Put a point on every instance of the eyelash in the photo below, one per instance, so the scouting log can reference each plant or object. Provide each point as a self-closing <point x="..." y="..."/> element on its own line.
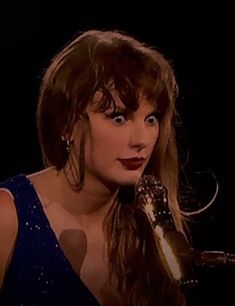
<point x="115" y="115"/>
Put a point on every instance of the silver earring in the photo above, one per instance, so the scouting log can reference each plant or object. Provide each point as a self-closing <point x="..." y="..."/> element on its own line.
<point x="67" y="147"/>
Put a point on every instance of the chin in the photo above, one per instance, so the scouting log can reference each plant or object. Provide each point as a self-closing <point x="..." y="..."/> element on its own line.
<point x="130" y="178"/>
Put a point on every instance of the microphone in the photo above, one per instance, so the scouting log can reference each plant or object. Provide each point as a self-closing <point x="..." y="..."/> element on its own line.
<point x="174" y="249"/>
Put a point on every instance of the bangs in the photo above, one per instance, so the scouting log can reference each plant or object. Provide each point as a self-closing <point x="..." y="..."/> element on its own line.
<point x="131" y="82"/>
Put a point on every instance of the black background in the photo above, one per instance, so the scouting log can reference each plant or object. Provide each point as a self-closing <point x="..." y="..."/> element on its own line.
<point x="196" y="36"/>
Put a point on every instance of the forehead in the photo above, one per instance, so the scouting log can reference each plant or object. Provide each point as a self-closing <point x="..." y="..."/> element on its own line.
<point x="143" y="101"/>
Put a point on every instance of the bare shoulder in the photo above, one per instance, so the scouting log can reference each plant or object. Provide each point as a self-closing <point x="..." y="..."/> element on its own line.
<point x="8" y="229"/>
<point x="8" y="216"/>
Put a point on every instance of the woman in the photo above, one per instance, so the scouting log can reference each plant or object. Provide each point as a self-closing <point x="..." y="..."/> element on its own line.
<point x="72" y="233"/>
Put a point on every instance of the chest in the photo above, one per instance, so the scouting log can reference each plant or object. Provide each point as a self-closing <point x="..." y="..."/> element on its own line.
<point x="87" y="253"/>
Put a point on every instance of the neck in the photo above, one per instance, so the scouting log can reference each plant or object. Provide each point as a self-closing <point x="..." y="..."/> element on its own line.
<point x="93" y="201"/>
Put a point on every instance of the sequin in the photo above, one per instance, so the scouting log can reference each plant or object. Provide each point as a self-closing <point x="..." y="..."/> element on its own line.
<point x="39" y="274"/>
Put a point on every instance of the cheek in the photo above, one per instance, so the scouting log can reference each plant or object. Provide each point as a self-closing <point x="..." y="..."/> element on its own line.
<point x="103" y="145"/>
<point x="153" y="141"/>
<point x="154" y="137"/>
<point x="107" y="138"/>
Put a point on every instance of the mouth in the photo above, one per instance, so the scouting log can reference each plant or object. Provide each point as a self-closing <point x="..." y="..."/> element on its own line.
<point x="132" y="163"/>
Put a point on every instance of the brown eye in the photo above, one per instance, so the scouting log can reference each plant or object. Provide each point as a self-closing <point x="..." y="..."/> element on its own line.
<point x="117" y="118"/>
<point x="152" y="119"/>
<point x="120" y="119"/>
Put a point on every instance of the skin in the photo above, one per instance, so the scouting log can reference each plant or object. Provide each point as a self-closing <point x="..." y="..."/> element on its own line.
<point x="79" y="228"/>
<point x="118" y="136"/>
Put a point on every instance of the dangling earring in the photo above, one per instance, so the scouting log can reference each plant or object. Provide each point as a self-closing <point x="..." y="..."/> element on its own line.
<point x="74" y="172"/>
<point x="67" y="147"/>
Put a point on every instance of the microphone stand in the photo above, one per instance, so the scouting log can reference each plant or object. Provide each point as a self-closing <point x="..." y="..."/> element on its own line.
<point x="213" y="258"/>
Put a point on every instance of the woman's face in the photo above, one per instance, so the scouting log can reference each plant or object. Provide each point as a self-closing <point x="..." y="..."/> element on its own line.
<point x="119" y="144"/>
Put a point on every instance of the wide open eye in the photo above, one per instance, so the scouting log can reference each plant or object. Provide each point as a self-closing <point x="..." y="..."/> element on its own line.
<point x="119" y="118"/>
<point x="152" y="119"/>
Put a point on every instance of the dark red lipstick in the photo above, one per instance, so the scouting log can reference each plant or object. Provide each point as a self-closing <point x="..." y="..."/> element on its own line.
<point x="132" y="163"/>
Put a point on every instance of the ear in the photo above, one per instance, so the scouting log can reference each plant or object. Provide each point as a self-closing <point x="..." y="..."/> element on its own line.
<point x="76" y="131"/>
<point x="68" y="133"/>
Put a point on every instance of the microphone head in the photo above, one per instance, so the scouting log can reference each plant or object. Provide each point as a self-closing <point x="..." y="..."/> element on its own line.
<point x="149" y="188"/>
<point x="152" y="197"/>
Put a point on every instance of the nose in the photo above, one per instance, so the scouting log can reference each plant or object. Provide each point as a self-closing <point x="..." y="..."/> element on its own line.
<point x="138" y="136"/>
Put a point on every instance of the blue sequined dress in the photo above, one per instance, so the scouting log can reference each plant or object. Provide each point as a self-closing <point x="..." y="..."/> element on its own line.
<point x="39" y="274"/>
